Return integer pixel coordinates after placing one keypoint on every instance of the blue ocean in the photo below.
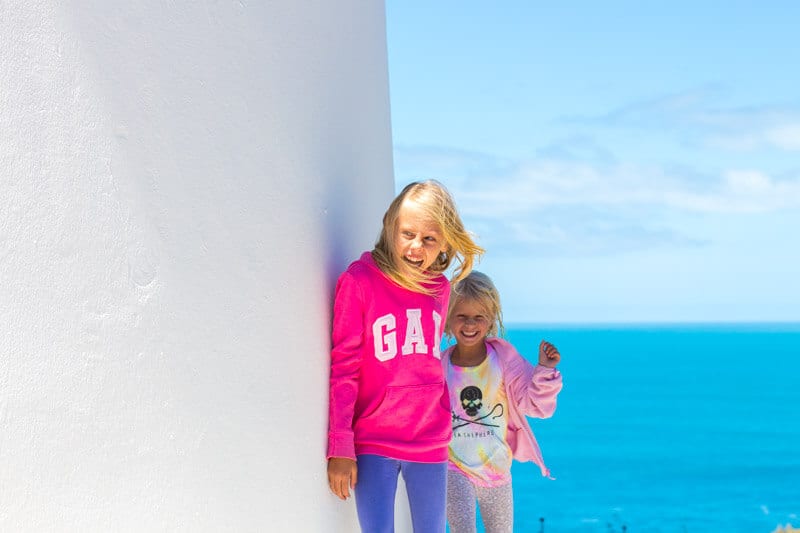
(666, 428)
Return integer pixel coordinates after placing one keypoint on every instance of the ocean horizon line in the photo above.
(759, 325)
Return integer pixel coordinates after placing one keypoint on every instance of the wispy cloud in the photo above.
(783, 135)
(542, 184)
(620, 180)
(741, 191)
(574, 232)
(786, 136)
(699, 116)
(565, 206)
(698, 113)
(668, 110)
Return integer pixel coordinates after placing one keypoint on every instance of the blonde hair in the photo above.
(438, 204)
(479, 288)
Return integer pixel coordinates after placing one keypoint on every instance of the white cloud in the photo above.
(649, 174)
(742, 191)
(548, 185)
(697, 113)
(786, 136)
(558, 208)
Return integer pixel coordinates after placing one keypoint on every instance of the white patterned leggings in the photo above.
(496, 505)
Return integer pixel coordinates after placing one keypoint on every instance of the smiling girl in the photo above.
(492, 390)
(389, 407)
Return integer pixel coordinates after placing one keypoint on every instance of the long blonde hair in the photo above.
(479, 288)
(439, 205)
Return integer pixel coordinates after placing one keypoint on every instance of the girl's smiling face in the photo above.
(470, 322)
(418, 240)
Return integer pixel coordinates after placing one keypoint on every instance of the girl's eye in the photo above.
(477, 319)
(430, 239)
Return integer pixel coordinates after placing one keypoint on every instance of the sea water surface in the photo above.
(666, 428)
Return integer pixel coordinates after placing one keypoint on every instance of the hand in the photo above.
(548, 355)
(342, 476)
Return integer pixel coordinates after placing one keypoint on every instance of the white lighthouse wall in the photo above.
(181, 183)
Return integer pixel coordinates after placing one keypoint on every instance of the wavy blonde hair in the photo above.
(460, 248)
(479, 288)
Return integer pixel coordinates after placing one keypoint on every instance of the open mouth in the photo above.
(417, 264)
(470, 335)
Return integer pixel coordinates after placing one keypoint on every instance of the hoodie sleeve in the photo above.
(532, 388)
(347, 341)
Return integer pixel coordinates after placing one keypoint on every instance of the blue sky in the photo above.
(620, 161)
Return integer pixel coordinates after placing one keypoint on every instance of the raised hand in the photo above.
(548, 355)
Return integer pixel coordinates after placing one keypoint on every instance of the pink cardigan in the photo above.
(531, 391)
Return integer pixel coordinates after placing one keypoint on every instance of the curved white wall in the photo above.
(181, 185)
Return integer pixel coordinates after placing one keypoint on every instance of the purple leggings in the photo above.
(426, 484)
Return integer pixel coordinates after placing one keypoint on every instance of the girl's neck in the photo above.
(468, 355)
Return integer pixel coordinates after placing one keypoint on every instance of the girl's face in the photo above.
(470, 322)
(418, 240)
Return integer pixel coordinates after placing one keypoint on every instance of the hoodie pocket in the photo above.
(408, 413)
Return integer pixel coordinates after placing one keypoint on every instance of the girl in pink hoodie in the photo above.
(389, 407)
(492, 389)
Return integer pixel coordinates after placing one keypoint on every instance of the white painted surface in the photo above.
(181, 185)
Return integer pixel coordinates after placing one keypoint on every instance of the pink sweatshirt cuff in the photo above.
(341, 445)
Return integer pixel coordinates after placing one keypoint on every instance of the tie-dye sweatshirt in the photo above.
(388, 396)
(531, 390)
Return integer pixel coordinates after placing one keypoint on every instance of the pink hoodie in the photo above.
(531, 391)
(387, 391)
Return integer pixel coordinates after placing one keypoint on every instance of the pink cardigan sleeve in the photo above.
(347, 342)
(533, 388)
